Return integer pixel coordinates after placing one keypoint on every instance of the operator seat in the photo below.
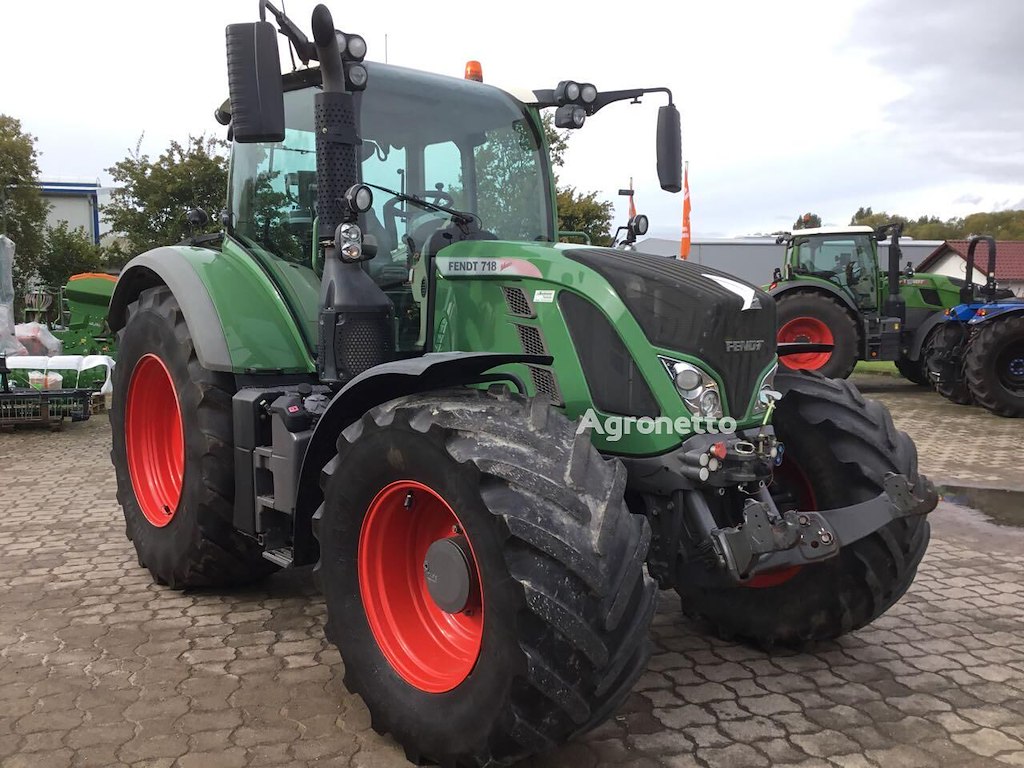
(454, 233)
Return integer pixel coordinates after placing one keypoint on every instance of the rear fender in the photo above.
(371, 388)
(237, 318)
(997, 310)
(820, 286)
(921, 333)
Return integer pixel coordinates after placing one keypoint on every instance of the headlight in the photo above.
(765, 389)
(696, 387)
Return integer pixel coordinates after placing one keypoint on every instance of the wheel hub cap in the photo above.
(446, 571)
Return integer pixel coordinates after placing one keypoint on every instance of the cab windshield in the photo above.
(458, 143)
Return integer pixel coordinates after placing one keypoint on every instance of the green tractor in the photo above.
(492, 448)
(831, 292)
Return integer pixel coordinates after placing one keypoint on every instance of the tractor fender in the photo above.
(921, 333)
(819, 286)
(235, 314)
(378, 385)
(998, 310)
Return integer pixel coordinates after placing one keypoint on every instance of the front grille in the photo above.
(545, 384)
(532, 341)
(517, 302)
(683, 307)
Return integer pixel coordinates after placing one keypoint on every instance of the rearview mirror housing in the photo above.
(670, 149)
(254, 83)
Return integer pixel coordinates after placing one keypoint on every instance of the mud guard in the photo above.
(821, 286)
(921, 333)
(373, 387)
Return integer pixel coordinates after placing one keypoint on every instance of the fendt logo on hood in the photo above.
(743, 345)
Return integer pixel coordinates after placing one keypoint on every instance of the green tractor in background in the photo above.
(832, 292)
(492, 447)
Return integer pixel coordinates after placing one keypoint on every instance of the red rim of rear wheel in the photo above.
(806, 330)
(430, 649)
(154, 440)
(792, 481)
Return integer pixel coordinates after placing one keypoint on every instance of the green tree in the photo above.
(577, 211)
(151, 197)
(807, 221)
(22, 208)
(67, 252)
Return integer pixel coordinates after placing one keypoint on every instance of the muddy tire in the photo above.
(550, 633)
(994, 367)
(842, 445)
(947, 342)
(172, 453)
(809, 316)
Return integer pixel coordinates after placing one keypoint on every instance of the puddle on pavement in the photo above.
(1001, 507)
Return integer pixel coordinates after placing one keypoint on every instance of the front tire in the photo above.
(995, 366)
(172, 453)
(841, 447)
(550, 633)
(809, 316)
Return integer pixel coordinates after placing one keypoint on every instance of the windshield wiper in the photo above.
(460, 217)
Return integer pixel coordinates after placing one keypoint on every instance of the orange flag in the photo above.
(684, 243)
(632, 205)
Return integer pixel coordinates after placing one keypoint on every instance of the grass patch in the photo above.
(879, 367)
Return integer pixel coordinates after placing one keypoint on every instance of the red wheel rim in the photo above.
(430, 649)
(793, 481)
(807, 330)
(154, 440)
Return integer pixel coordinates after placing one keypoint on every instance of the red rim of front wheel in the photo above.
(154, 440)
(790, 480)
(430, 649)
(807, 330)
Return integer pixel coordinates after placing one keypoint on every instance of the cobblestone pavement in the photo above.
(99, 666)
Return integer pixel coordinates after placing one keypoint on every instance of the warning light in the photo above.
(718, 450)
(474, 71)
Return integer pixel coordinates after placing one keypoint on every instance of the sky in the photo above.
(909, 106)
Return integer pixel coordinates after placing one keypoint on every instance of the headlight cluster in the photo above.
(696, 387)
(575, 102)
(766, 390)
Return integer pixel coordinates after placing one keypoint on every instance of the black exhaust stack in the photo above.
(895, 304)
(355, 330)
(967, 293)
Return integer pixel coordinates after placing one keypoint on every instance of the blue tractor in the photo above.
(977, 355)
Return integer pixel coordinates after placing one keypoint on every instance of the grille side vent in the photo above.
(532, 341)
(517, 302)
(545, 384)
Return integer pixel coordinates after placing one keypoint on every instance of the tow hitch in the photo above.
(768, 540)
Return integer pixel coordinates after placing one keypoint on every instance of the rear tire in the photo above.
(179, 519)
(844, 446)
(913, 370)
(948, 342)
(995, 366)
(564, 604)
(800, 313)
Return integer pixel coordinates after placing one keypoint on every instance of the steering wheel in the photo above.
(392, 211)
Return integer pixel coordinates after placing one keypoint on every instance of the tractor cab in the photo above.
(846, 258)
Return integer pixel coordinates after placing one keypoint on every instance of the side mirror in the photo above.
(254, 83)
(670, 149)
